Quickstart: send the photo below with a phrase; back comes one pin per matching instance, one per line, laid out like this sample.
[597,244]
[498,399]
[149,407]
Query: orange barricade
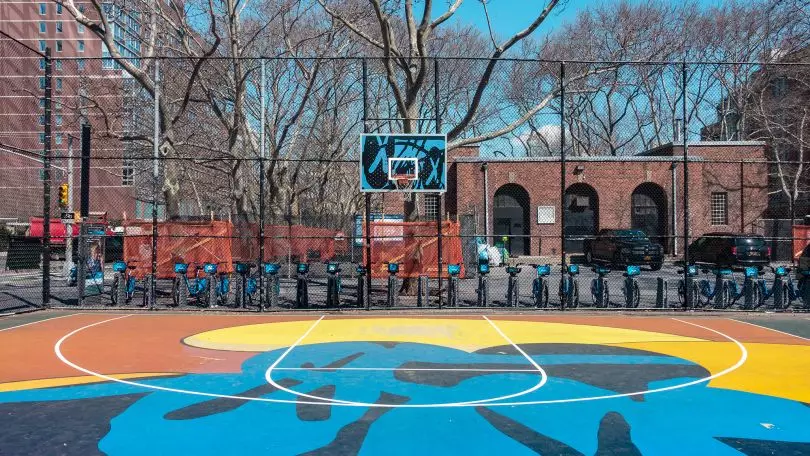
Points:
[221,242]
[414,245]
[801,238]
[189,242]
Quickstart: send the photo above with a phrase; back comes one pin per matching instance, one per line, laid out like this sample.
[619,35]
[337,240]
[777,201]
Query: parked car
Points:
[730,250]
[623,247]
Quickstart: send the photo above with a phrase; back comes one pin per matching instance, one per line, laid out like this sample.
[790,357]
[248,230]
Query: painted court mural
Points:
[308,384]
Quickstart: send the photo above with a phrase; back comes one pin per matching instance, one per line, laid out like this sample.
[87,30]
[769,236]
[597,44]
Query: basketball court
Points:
[158,383]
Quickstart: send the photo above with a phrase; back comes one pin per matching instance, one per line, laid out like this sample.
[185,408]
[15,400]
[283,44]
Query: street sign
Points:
[67,217]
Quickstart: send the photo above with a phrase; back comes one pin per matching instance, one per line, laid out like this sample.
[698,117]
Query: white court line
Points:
[39,321]
[58,351]
[769,329]
[268,375]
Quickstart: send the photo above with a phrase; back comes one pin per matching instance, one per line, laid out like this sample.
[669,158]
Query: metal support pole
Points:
[69,226]
[262,153]
[562,165]
[155,176]
[485,170]
[686,279]
[367,195]
[46,186]
[742,197]
[438,195]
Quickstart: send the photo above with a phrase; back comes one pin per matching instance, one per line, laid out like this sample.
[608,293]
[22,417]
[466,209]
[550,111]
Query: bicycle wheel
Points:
[606,296]
[595,292]
[575,295]
[681,293]
[636,295]
[116,284]
[237,291]
[544,294]
[175,292]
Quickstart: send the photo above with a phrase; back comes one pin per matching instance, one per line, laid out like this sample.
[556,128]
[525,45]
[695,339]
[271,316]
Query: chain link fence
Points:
[235,182]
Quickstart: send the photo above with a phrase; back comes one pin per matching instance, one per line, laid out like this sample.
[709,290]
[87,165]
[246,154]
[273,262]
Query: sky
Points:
[510,16]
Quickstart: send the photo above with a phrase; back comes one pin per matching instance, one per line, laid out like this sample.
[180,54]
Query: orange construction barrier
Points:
[414,245]
[801,238]
[188,242]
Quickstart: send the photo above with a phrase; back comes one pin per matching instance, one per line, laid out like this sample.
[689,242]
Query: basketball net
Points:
[403,182]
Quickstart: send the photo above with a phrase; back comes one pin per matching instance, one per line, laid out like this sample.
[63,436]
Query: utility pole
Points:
[69,226]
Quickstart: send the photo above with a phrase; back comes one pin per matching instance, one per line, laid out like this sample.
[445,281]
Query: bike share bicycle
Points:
[781,291]
[600,291]
[207,290]
[540,285]
[569,288]
[123,285]
[513,286]
[720,292]
[392,299]
[750,291]
[802,290]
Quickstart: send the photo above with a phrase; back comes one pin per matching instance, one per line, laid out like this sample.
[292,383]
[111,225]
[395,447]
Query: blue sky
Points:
[511,16]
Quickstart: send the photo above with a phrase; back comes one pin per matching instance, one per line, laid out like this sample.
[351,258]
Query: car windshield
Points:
[750,241]
[629,234]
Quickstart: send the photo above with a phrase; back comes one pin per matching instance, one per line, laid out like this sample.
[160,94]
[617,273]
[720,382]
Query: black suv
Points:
[623,247]
[730,249]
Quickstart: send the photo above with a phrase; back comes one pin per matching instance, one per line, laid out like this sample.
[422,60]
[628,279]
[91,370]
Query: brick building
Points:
[520,197]
[86,87]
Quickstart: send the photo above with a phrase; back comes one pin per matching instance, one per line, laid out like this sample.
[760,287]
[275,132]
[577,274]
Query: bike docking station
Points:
[569,287]
[513,287]
[302,286]
[688,293]
[483,283]
[453,270]
[750,290]
[540,285]
[632,294]
[392,298]
[600,292]
[272,285]
[123,286]
[422,291]
[362,295]
[333,285]
[781,291]
[246,286]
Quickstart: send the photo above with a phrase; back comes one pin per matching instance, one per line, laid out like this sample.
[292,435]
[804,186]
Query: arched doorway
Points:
[581,216]
[649,212]
[511,218]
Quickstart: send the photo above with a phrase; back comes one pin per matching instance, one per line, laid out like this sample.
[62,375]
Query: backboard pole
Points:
[562,165]
[367,195]
[438,195]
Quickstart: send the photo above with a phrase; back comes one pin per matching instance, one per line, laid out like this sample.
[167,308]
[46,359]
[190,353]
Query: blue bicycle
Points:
[751,291]
[123,285]
[720,293]
[540,285]
[688,293]
[802,291]
[206,289]
[781,291]
[630,289]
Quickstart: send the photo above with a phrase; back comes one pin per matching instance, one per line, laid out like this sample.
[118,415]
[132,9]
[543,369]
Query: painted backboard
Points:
[422,157]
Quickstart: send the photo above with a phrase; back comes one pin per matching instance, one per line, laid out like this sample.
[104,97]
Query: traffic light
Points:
[63,195]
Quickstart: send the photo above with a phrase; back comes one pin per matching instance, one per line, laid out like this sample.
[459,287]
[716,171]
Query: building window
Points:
[80,64]
[41,64]
[80,28]
[43,27]
[43,8]
[42,83]
[58,138]
[81,45]
[719,208]
[42,120]
[58,8]
[81,9]
[58,45]
[431,206]
[42,45]
[42,138]
[58,64]
[127,172]
[42,103]
[58,120]
[58,84]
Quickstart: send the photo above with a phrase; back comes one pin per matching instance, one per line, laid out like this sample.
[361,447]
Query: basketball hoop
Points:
[403,182]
